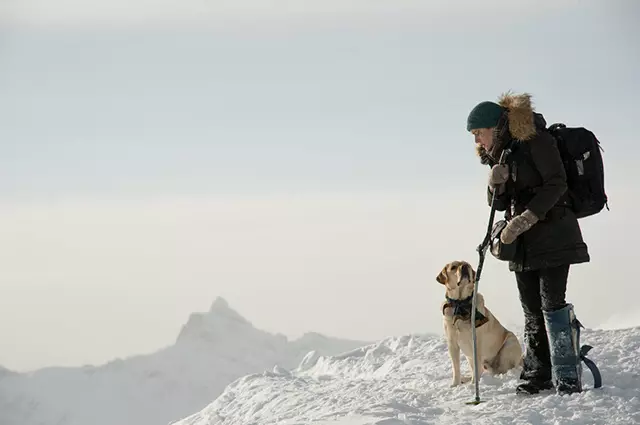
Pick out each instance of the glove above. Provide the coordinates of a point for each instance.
(499, 174)
(517, 226)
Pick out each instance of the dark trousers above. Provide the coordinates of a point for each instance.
(540, 290)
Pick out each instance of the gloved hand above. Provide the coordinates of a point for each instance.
(499, 174)
(517, 226)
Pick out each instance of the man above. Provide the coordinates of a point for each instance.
(532, 190)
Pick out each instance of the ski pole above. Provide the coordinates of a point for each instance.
(482, 250)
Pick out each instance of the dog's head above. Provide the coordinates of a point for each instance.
(457, 276)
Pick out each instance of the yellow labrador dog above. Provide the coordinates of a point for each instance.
(498, 348)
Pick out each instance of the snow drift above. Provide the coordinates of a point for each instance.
(212, 350)
(405, 380)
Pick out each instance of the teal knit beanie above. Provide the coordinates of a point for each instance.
(484, 115)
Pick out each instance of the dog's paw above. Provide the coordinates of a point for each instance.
(454, 384)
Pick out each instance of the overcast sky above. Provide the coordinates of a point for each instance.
(306, 160)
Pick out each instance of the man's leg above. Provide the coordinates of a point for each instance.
(537, 363)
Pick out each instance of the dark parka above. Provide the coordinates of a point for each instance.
(537, 181)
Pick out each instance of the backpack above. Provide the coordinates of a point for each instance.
(580, 152)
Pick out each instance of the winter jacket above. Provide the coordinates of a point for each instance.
(537, 181)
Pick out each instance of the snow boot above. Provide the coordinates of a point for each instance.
(536, 370)
(563, 332)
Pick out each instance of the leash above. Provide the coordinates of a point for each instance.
(482, 251)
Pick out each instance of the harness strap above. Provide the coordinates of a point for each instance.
(462, 310)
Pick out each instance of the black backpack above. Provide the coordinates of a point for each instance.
(580, 152)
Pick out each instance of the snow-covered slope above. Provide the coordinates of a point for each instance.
(405, 380)
(212, 350)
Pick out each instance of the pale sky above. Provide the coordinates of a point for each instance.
(308, 161)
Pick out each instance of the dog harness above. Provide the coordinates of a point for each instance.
(462, 310)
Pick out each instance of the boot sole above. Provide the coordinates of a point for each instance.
(534, 391)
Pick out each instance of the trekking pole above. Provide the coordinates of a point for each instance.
(482, 250)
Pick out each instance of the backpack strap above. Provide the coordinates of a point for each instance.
(554, 127)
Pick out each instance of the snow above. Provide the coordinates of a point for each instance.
(405, 381)
(213, 349)
(258, 378)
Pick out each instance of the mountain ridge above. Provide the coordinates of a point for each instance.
(212, 349)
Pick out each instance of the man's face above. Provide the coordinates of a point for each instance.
(484, 137)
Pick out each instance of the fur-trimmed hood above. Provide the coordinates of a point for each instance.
(519, 122)
(520, 115)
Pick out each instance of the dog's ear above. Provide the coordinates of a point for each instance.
(442, 277)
